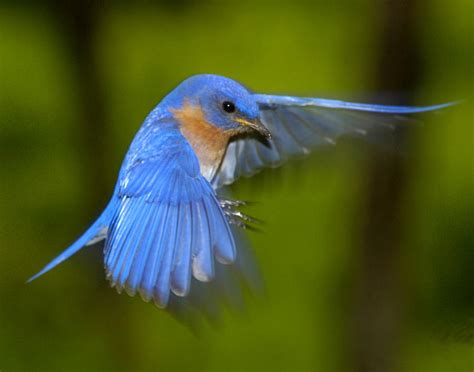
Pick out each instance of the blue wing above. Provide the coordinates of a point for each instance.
(208, 299)
(169, 224)
(299, 125)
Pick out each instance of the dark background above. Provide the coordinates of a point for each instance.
(367, 257)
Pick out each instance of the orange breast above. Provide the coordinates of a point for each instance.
(208, 142)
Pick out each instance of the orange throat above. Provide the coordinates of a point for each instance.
(208, 142)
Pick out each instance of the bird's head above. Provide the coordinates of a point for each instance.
(221, 101)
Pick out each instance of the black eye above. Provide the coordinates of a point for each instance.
(228, 107)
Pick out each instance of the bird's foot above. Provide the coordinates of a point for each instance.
(237, 217)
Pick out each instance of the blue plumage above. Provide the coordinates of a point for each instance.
(165, 223)
(165, 204)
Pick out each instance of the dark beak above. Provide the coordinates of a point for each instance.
(257, 126)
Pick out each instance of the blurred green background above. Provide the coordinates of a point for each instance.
(367, 257)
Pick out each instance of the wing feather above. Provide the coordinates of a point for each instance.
(223, 240)
(299, 125)
(181, 271)
(142, 255)
(152, 265)
(203, 263)
(168, 226)
(162, 286)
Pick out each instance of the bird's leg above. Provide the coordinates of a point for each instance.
(237, 217)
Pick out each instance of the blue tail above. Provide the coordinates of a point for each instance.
(102, 222)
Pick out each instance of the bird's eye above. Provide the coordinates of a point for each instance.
(228, 107)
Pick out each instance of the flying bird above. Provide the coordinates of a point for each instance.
(165, 222)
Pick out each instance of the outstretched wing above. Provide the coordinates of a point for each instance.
(168, 226)
(299, 125)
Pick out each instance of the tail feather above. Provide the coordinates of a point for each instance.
(91, 235)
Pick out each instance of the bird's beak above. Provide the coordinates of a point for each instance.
(256, 125)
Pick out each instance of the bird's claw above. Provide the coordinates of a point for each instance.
(237, 217)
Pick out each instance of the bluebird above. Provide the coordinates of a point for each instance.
(165, 222)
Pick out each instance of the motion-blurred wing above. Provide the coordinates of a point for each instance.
(168, 226)
(299, 125)
(207, 300)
